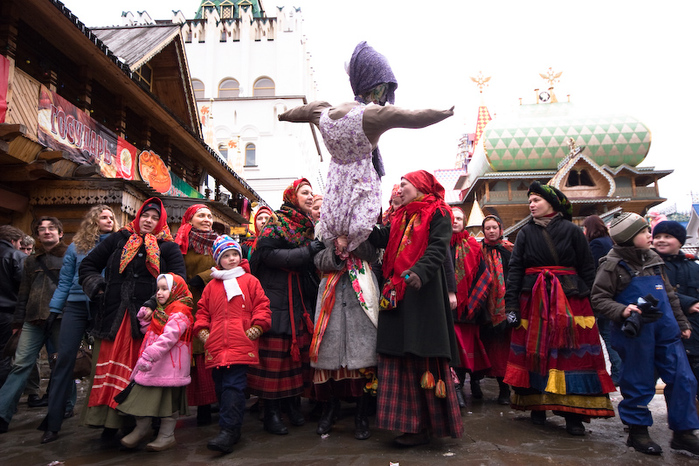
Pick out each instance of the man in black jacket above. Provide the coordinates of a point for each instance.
(11, 263)
(39, 280)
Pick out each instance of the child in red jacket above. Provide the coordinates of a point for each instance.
(232, 314)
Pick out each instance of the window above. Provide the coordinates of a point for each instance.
(579, 178)
(223, 34)
(223, 150)
(198, 87)
(229, 88)
(250, 155)
(263, 87)
(226, 12)
(188, 36)
(145, 75)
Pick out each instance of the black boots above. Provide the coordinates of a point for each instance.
(273, 418)
(574, 424)
(538, 417)
(476, 392)
(291, 407)
(203, 415)
(640, 440)
(460, 395)
(331, 410)
(685, 440)
(504, 395)
(361, 418)
(225, 440)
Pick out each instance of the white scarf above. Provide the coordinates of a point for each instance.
(228, 277)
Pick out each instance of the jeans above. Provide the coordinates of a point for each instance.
(30, 343)
(230, 383)
(62, 390)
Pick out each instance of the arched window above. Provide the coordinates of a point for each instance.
(229, 88)
(223, 150)
(263, 87)
(198, 87)
(250, 155)
(579, 178)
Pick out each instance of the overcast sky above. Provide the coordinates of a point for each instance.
(617, 57)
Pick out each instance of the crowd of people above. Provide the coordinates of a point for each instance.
(330, 301)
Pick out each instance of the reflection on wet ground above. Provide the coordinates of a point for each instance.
(494, 435)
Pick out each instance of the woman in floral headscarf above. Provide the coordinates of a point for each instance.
(416, 341)
(283, 262)
(132, 258)
(195, 239)
(556, 360)
(351, 132)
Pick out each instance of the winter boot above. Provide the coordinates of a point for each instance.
(291, 408)
(166, 435)
(476, 391)
(273, 418)
(203, 415)
(504, 395)
(640, 440)
(361, 418)
(460, 395)
(538, 417)
(329, 416)
(574, 425)
(685, 440)
(141, 431)
(225, 440)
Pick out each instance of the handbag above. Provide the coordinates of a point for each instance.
(83, 361)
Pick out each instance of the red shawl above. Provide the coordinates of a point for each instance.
(180, 300)
(160, 232)
(467, 257)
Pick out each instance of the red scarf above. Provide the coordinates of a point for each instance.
(551, 321)
(202, 241)
(496, 294)
(467, 257)
(133, 244)
(180, 300)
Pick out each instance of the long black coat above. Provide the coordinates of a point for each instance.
(422, 323)
(127, 290)
(534, 247)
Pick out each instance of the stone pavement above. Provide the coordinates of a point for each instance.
(494, 435)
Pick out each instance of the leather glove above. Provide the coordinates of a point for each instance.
(513, 319)
(412, 279)
(316, 246)
(143, 364)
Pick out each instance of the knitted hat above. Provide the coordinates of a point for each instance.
(225, 243)
(625, 226)
(671, 228)
(553, 196)
(151, 206)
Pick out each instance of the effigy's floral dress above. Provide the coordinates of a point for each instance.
(352, 199)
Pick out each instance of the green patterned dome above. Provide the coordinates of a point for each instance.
(536, 138)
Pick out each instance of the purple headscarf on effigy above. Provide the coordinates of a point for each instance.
(367, 69)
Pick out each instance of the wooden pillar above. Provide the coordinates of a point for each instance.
(633, 187)
(217, 193)
(85, 86)
(487, 192)
(509, 190)
(657, 190)
(9, 17)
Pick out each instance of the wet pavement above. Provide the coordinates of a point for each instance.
(494, 435)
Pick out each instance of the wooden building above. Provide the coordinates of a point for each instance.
(90, 116)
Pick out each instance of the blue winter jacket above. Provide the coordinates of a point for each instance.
(68, 288)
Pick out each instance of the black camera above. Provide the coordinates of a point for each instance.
(649, 313)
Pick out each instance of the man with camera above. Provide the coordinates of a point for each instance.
(632, 290)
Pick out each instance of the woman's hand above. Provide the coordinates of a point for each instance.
(693, 308)
(452, 301)
(412, 279)
(341, 243)
(686, 334)
(629, 309)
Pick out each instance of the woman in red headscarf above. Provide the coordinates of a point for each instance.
(195, 239)
(283, 262)
(132, 258)
(259, 221)
(415, 341)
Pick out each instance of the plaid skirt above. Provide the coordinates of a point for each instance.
(405, 407)
(201, 391)
(278, 375)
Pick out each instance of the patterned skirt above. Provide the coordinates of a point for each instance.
(472, 353)
(576, 379)
(497, 347)
(402, 405)
(278, 375)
